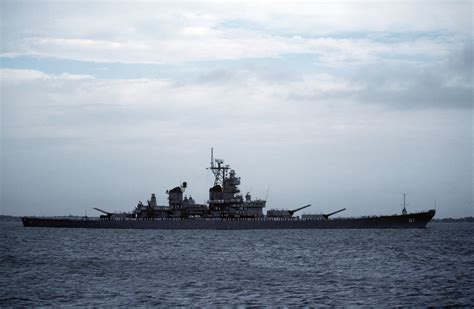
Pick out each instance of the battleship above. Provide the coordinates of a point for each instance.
(226, 209)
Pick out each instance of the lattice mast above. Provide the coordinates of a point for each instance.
(218, 169)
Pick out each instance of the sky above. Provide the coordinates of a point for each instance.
(334, 104)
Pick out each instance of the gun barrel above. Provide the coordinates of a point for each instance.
(291, 212)
(103, 211)
(333, 213)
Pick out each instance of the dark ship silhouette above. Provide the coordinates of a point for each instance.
(225, 209)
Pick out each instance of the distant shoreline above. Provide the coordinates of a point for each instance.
(465, 219)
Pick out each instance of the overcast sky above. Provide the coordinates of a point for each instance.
(334, 104)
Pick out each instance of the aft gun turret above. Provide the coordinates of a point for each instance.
(110, 215)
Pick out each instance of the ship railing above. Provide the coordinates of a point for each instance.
(266, 219)
(216, 219)
(168, 218)
(66, 218)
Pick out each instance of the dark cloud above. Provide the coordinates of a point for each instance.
(403, 85)
(461, 62)
(411, 91)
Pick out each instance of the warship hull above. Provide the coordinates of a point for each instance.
(407, 221)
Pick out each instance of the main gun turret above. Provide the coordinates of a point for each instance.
(285, 213)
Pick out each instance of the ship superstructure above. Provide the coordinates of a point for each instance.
(225, 200)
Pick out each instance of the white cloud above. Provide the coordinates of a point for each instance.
(15, 75)
(160, 33)
(12, 75)
(235, 45)
(323, 18)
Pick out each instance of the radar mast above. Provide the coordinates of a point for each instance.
(219, 170)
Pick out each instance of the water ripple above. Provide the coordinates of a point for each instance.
(43, 267)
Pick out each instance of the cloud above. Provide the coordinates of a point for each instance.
(229, 45)
(164, 33)
(9, 75)
(147, 134)
(14, 75)
(56, 105)
(410, 58)
(238, 102)
(235, 101)
(81, 106)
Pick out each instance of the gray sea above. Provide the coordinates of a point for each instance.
(41, 267)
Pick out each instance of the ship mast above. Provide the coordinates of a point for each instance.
(404, 211)
(219, 171)
(212, 157)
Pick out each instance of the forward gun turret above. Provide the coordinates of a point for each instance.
(107, 215)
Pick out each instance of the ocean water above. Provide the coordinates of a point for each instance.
(304, 268)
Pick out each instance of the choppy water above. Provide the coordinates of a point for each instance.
(81, 267)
